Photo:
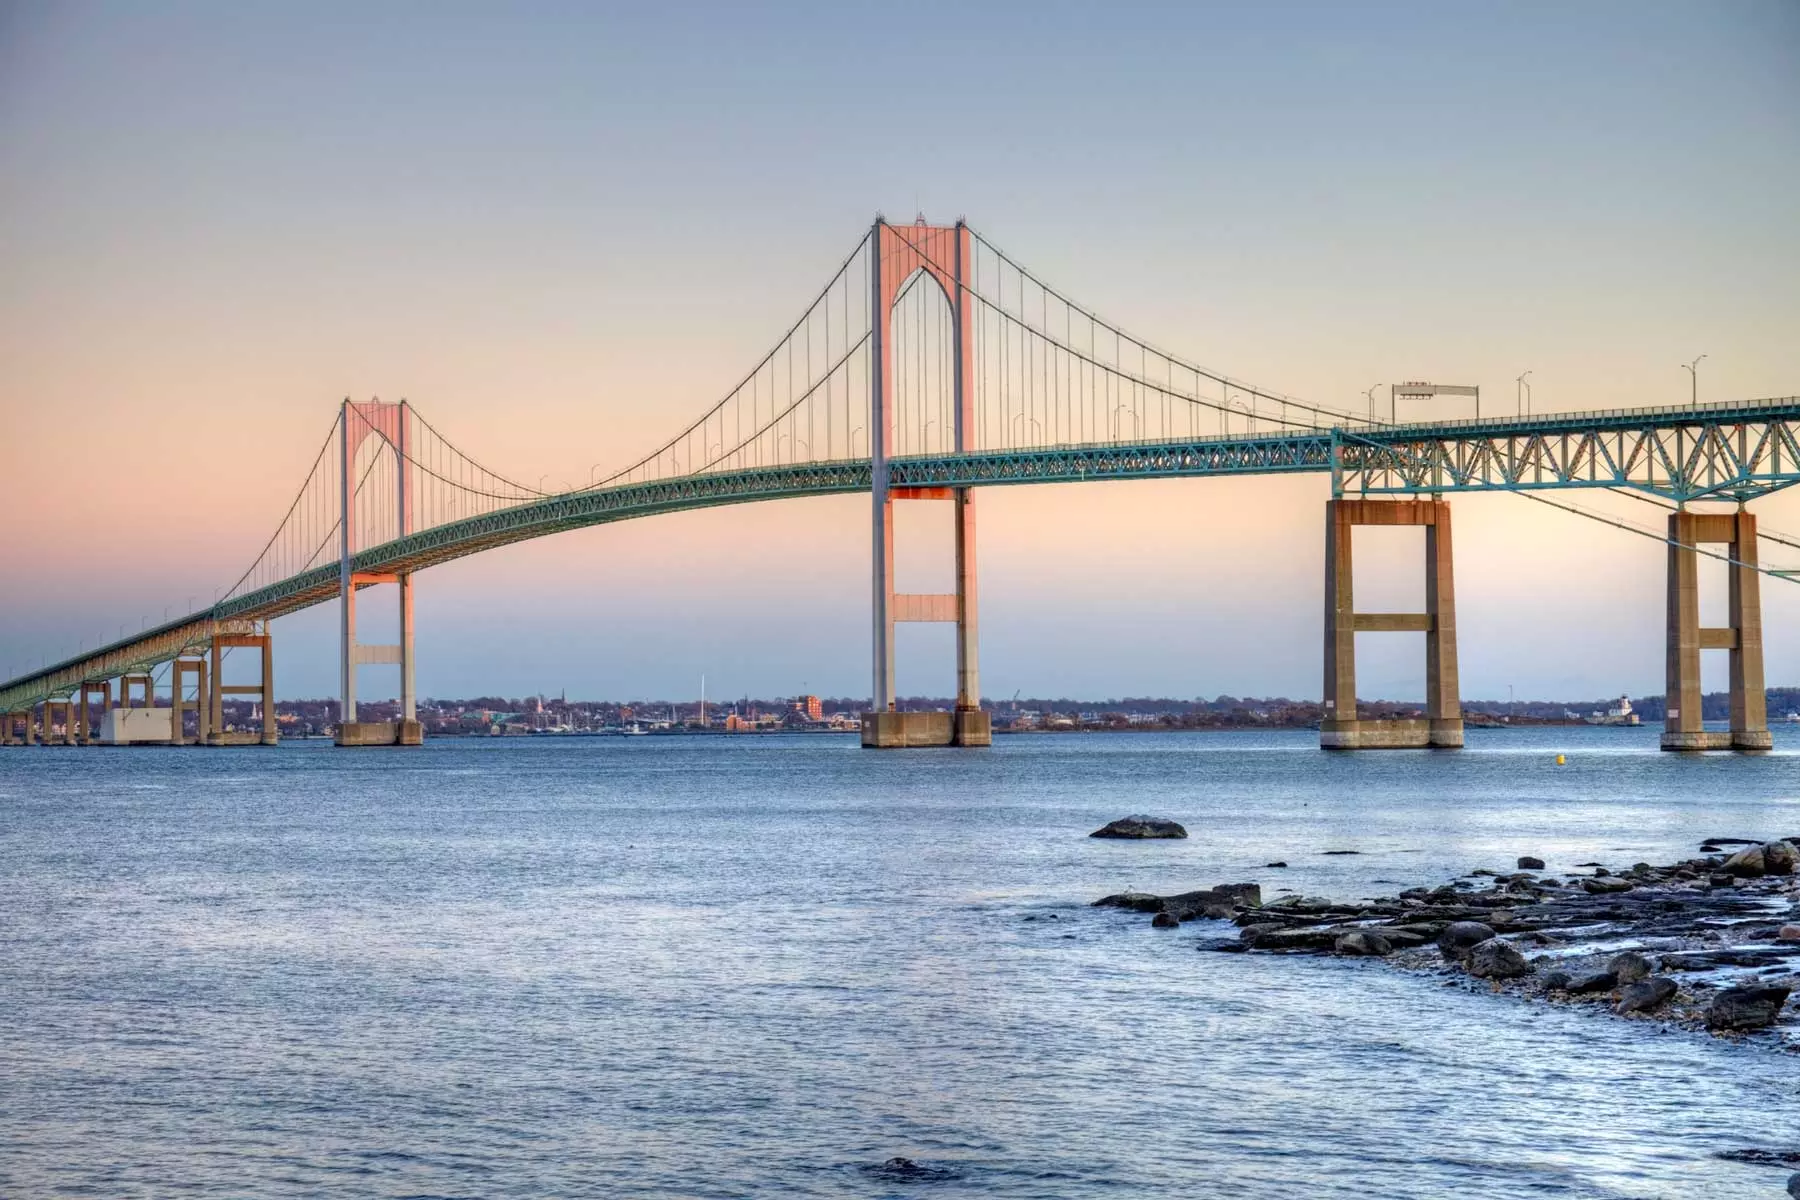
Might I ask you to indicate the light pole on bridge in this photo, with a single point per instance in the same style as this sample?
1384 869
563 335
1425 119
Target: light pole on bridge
1373 388
1693 381
1521 396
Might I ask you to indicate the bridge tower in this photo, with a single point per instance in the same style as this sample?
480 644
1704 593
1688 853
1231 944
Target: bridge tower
358 422
1341 728
943 254
1683 726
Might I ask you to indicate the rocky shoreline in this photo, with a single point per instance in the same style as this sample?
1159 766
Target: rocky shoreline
1711 942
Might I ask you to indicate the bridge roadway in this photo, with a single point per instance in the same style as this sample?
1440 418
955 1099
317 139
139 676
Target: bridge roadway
1733 452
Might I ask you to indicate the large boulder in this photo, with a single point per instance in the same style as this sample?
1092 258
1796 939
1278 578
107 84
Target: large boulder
1497 958
1459 937
1629 967
1747 863
1645 995
1360 943
1597 981
1140 827
1780 858
1745 1008
1529 863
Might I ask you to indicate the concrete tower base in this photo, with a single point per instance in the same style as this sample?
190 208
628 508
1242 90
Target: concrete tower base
899 730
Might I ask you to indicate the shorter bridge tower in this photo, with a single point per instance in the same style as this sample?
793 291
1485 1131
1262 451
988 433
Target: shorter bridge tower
1341 728
1683 724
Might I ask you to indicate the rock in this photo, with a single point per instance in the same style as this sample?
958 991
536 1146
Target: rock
1291 939
1598 981
1779 858
1340 852
1745 1008
1601 886
1221 945
1720 881
1600 872
1747 863
1645 995
1359 943
1793 1188
1135 901
1140 827
1557 981
1497 958
1164 920
1218 902
1459 937
1788 933
1629 967
1528 863
1275 864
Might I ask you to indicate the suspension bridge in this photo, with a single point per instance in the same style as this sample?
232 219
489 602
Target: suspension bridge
931 365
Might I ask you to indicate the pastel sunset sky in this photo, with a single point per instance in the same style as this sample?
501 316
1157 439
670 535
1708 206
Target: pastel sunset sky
562 231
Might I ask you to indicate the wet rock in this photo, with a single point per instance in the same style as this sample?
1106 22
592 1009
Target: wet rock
1275 864
1602 886
1748 863
1557 981
1779 858
1135 901
1788 933
1340 851
1528 863
1459 937
1221 945
1140 826
1363 944
1645 995
1164 920
1629 967
1292 939
1711 844
1497 958
1745 1008
1596 981
1793 1188
1720 881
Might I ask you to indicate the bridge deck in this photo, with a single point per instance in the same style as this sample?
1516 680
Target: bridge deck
1732 451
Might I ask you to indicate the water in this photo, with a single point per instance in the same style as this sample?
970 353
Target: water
707 967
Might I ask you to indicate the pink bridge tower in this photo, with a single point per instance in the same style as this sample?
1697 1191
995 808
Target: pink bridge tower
943 254
357 423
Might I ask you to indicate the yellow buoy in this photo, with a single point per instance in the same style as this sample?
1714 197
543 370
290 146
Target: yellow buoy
1560 760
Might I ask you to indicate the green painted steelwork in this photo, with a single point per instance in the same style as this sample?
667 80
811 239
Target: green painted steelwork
1716 452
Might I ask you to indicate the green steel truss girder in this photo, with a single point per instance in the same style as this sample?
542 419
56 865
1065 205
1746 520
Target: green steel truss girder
1716 452
1737 454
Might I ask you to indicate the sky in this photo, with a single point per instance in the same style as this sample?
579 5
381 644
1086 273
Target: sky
562 231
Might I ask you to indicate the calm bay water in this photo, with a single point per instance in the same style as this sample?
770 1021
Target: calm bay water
712 967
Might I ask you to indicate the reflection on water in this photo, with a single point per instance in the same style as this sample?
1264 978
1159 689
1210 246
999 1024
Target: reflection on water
700 967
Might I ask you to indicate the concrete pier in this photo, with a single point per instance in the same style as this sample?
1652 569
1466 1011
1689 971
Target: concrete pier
264 690
1442 726
90 736
1683 725
179 704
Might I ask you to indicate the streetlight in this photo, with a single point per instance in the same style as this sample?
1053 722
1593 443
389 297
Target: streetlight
1693 381
1371 395
1521 396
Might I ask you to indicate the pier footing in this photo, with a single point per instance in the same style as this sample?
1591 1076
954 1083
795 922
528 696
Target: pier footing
380 733
900 730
